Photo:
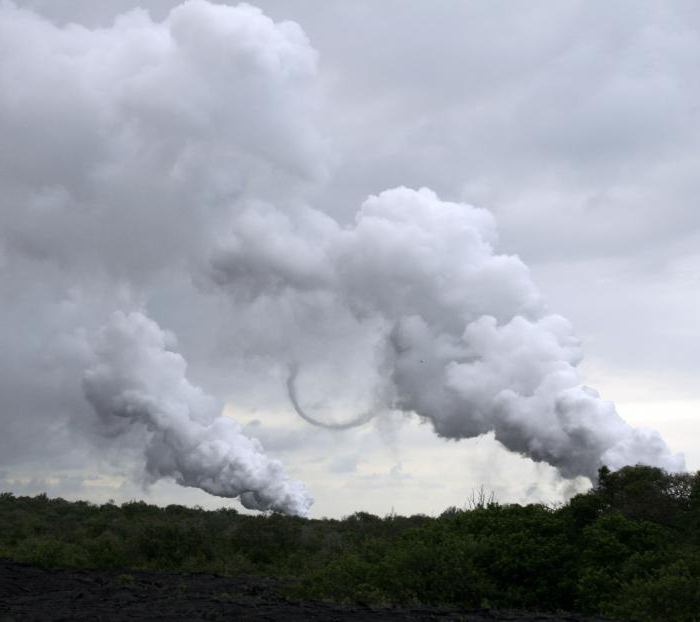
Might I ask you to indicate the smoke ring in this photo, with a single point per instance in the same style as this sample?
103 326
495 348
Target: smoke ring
294 399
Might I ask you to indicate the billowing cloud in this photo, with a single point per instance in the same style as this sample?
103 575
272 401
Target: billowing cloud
176 170
466 339
127 146
136 379
127 150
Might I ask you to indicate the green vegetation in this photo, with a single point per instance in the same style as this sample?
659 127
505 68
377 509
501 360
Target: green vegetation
629 549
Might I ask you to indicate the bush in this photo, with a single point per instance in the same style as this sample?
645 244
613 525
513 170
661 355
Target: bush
629 548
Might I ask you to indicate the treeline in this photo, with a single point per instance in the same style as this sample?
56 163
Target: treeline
628 549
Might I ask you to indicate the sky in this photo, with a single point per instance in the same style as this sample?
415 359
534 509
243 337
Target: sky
203 171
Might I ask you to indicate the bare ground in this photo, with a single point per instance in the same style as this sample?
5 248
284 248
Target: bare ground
29 593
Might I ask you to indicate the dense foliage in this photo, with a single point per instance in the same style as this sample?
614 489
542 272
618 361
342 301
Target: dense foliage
629 548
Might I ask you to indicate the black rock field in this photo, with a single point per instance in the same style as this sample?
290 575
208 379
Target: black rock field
30 593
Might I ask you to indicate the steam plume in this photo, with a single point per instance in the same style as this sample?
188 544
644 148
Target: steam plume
126 150
166 165
136 380
468 342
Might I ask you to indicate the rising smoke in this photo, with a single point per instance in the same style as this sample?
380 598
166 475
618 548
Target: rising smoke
150 168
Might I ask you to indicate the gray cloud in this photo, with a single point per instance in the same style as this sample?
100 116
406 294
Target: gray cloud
127 151
185 165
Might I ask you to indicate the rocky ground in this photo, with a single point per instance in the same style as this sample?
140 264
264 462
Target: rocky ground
29 593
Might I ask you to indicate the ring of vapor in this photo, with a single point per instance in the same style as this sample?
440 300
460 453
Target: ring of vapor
294 399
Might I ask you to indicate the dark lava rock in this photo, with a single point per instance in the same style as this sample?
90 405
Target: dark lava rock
29 593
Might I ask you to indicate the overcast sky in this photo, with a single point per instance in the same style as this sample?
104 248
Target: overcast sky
576 124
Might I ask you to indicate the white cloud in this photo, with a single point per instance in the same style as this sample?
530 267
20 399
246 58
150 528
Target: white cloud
137 156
